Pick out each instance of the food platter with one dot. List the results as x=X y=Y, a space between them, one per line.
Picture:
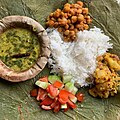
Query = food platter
x=15 y=97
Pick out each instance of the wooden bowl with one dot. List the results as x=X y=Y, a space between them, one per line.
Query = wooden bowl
x=28 y=23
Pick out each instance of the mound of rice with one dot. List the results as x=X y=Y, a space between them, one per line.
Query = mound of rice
x=118 y=1
x=77 y=58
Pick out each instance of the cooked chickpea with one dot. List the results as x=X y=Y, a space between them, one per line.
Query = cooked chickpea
x=66 y=38
x=72 y=6
x=69 y=21
x=80 y=3
x=60 y=29
x=80 y=27
x=56 y=14
x=62 y=23
x=58 y=10
x=71 y=27
x=77 y=25
x=73 y=19
x=50 y=23
x=62 y=14
x=66 y=32
x=66 y=15
x=59 y=19
x=85 y=10
x=72 y=12
x=81 y=23
x=56 y=24
x=85 y=21
x=64 y=19
x=72 y=33
x=66 y=9
x=63 y=29
x=75 y=10
x=69 y=15
x=53 y=19
x=80 y=17
x=73 y=37
x=67 y=5
x=87 y=16
x=89 y=21
x=76 y=30
x=77 y=6
x=66 y=26
x=79 y=11
x=51 y=14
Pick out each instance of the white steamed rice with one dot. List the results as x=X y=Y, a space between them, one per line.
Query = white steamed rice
x=77 y=58
x=118 y=1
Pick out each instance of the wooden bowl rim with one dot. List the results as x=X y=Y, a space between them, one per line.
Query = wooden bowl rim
x=15 y=21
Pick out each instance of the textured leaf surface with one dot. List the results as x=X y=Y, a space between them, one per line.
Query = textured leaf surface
x=15 y=101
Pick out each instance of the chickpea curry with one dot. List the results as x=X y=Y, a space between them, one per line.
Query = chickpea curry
x=19 y=49
x=72 y=19
x=105 y=76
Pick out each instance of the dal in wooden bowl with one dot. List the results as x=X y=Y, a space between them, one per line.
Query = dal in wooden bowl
x=24 y=48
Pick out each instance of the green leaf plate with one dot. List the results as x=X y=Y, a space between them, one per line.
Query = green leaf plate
x=15 y=100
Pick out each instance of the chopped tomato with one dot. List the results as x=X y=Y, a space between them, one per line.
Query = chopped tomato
x=57 y=107
x=44 y=79
x=71 y=95
x=48 y=88
x=53 y=91
x=47 y=101
x=63 y=101
x=66 y=109
x=63 y=93
x=56 y=96
x=46 y=107
x=63 y=96
x=42 y=94
x=71 y=104
x=33 y=93
x=56 y=99
x=58 y=84
x=79 y=97
x=54 y=103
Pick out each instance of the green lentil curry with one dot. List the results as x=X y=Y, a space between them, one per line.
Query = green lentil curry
x=19 y=48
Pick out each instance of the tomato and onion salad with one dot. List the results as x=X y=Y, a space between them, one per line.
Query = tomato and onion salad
x=54 y=95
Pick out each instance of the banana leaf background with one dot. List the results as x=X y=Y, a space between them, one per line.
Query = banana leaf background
x=15 y=101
